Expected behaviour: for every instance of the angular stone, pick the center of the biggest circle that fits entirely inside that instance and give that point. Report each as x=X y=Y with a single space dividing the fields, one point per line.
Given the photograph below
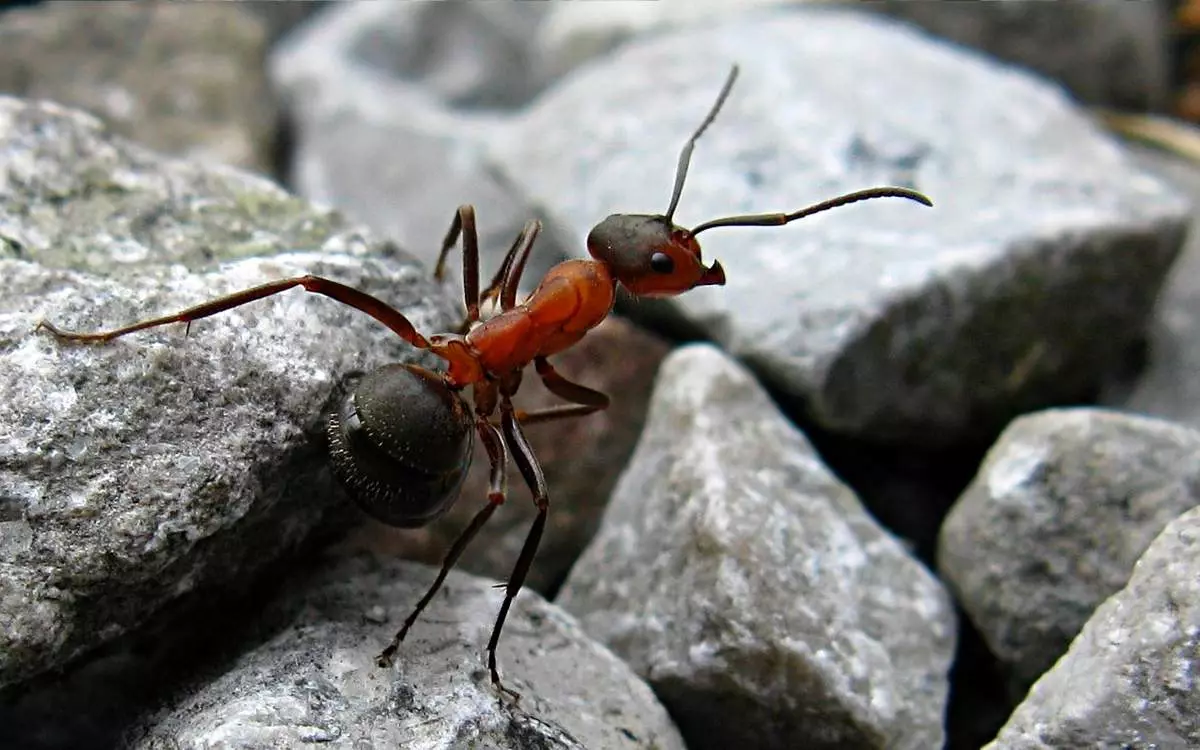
x=1025 y=283
x=750 y=588
x=1130 y=679
x=136 y=472
x=1168 y=386
x=316 y=680
x=1106 y=52
x=1063 y=506
x=183 y=78
x=392 y=108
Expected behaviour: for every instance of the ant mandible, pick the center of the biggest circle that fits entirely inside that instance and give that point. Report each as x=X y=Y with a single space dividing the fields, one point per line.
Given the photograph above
x=402 y=441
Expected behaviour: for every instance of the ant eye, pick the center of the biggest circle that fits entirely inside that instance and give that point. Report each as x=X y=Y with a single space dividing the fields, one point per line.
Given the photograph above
x=661 y=263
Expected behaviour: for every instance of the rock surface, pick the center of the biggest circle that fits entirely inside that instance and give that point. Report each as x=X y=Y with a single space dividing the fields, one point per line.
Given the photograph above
x=393 y=104
x=1130 y=677
x=182 y=78
x=1105 y=52
x=741 y=579
x=1111 y=53
x=136 y=472
x=1168 y=386
x=316 y=680
x=1035 y=269
x=1064 y=505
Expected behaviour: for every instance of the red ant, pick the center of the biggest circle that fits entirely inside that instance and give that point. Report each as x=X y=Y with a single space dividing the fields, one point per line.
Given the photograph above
x=402 y=441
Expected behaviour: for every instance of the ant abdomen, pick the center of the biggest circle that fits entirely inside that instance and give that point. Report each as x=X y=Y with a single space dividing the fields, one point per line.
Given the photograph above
x=401 y=443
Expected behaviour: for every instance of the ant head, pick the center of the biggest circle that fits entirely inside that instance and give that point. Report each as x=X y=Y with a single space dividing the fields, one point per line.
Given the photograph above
x=650 y=256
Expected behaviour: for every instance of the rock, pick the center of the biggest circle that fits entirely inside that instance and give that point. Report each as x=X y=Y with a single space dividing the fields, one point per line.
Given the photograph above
x=1130 y=677
x=392 y=107
x=574 y=33
x=1063 y=506
x=281 y=18
x=749 y=587
x=316 y=680
x=1168 y=387
x=134 y=473
x=580 y=458
x=1109 y=53
x=1023 y=285
x=182 y=78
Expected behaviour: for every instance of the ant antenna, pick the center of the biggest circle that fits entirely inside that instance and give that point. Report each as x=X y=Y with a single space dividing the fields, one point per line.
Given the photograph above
x=685 y=156
x=774 y=220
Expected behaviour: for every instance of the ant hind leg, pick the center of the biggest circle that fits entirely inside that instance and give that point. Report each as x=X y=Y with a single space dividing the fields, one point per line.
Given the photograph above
x=358 y=299
x=498 y=455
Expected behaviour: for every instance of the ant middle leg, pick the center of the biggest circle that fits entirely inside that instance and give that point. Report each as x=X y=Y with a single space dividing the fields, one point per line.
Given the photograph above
x=359 y=300
x=583 y=400
x=531 y=471
x=498 y=455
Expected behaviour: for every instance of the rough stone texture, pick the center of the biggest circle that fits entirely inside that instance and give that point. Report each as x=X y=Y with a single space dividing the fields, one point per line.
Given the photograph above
x=1026 y=282
x=1130 y=679
x=316 y=681
x=1168 y=387
x=133 y=473
x=1107 y=52
x=1063 y=506
x=182 y=78
x=573 y=33
x=77 y=197
x=393 y=103
x=749 y=586
x=581 y=459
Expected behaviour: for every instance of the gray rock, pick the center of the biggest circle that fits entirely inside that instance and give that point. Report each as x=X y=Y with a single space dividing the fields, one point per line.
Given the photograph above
x=1110 y=52
x=1061 y=509
x=136 y=472
x=1168 y=387
x=1129 y=679
x=182 y=78
x=1106 y=52
x=574 y=33
x=1037 y=266
x=316 y=681
x=393 y=103
x=750 y=587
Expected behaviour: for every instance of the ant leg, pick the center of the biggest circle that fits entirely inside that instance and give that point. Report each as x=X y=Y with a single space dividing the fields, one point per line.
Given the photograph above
x=463 y=224
x=498 y=455
x=355 y=298
x=531 y=471
x=584 y=400
x=509 y=278
x=521 y=246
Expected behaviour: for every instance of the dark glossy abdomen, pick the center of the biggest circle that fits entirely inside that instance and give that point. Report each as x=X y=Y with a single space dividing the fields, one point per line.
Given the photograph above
x=401 y=445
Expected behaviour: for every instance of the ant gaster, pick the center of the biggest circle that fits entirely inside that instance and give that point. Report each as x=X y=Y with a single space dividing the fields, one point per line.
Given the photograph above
x=402 y=441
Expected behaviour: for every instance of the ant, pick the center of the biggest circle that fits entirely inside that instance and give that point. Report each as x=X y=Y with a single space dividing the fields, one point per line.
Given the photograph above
x=401 y=442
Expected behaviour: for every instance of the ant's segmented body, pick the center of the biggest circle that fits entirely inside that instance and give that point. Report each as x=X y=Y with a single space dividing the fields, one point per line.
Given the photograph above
x=402 y=442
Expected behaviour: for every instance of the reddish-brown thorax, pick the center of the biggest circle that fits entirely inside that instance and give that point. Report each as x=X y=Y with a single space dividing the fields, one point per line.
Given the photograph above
x=573 y=298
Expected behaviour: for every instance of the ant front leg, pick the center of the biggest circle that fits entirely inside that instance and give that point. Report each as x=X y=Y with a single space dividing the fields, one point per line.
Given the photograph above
x=498 y=455
x=359 y=300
